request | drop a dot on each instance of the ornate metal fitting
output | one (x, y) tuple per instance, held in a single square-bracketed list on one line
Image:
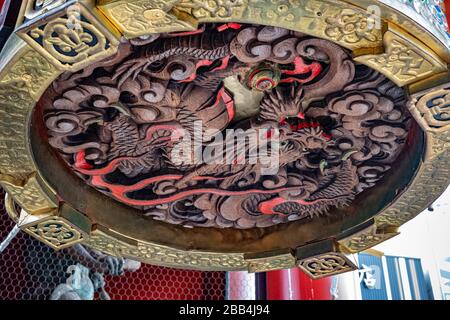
[(263, 78), (326, 265), (323, 259), (362, 101), (55, 232), (266, 261), (67, 33), (366, 238)]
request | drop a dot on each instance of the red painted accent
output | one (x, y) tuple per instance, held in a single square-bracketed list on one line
[(239, 160), (304, 125), (110, 167), (205, 63), (268, 207), (175, 132), (250, 77), (119, 191), (220, 93), (201, 63), (80, 160), (294, 284), (269, 133), (226, 26), (223, 65), (229, 104), (301, 68)]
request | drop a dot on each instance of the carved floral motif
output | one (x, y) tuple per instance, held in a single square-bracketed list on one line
[(212, 9), (144, 17), (351, 26)]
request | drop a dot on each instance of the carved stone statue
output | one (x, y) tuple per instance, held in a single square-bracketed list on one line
[(86, 277)]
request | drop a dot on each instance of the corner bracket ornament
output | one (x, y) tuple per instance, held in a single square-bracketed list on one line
[(326, 265), (430, 108), (70, 35), (139, 18), (29, 195), (433, 108), (56, 232), (405, 60), (323, 259)]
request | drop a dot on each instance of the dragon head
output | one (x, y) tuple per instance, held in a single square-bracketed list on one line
[(296, 140)]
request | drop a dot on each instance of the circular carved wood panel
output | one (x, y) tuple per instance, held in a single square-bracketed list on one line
[(230, 126)]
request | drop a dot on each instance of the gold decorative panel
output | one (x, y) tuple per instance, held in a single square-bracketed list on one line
[(348, 26), (71, 37), (63, 36), (142, 17), (30, 196), (405, 59), (29, 73), (109, 243), (326, 265), (270, 261), (36, 8), (433, 108), (364, 239), (55, 232), (431, 181), (430, 109)]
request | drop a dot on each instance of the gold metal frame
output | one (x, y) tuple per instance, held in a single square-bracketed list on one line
[(49, 41)]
